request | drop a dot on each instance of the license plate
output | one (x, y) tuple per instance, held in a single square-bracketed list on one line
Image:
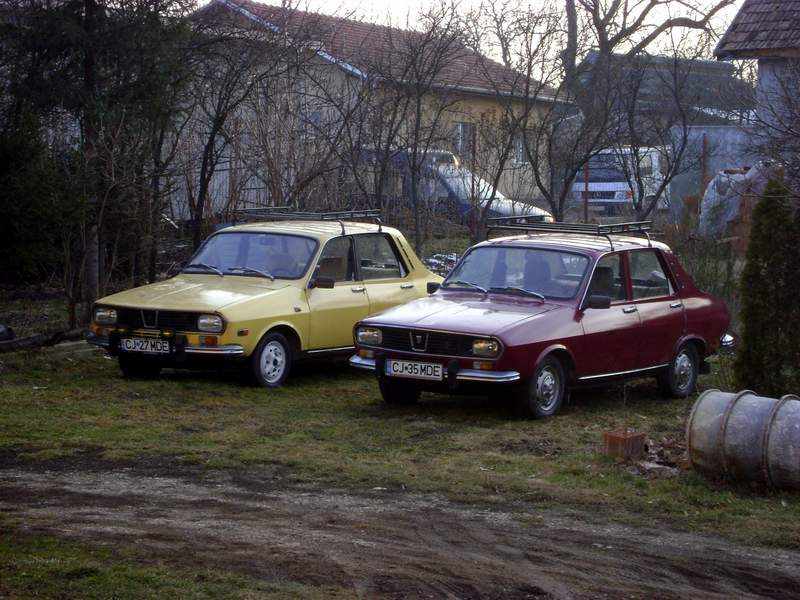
[(147, 345), (414, 370)]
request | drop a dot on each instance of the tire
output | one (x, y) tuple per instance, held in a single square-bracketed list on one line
[(398, 392), (138, 367), (679, 380), (271, 362), (544, 393)]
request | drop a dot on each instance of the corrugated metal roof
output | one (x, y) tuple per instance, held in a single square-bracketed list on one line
[(762, 28)]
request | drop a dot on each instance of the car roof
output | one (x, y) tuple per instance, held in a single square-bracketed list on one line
[(593, 244), (322, 230)]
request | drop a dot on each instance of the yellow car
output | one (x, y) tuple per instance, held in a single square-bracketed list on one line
[(266, 293)]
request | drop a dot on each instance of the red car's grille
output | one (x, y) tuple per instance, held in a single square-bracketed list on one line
[(157, 319), (427, 342)]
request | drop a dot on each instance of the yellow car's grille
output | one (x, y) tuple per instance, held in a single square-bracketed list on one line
[(135, 318)]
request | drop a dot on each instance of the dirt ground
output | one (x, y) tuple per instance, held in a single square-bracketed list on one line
[(379, 543)]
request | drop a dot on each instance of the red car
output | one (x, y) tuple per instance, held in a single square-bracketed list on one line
[(533, 315)]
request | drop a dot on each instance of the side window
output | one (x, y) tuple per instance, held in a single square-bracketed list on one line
[(647, 276), (336, 260), (609, 278), (378, 257)]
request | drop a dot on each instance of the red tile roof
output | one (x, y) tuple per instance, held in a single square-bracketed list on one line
[(762, 28), (378, 50)]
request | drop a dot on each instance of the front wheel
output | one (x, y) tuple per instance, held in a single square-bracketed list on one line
[(680, 378), (398, 392), (544, 394), (272, 360), (138, 367)]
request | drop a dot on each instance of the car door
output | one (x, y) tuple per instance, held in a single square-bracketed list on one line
[(659, 306), (611, 335), (334, 311), (385, 275)]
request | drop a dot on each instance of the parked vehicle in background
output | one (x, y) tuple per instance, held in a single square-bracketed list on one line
[(533, 315), (450, 189), (266, 294), (609, 187)]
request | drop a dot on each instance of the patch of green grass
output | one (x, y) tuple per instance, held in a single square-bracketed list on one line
[(330, 425), (42, 567)]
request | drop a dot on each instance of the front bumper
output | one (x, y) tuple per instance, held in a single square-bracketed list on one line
[(111, 343), (473, 375)]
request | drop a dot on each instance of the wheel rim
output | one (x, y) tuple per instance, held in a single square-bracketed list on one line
[(684, 370), (273, 362), (547, 389)]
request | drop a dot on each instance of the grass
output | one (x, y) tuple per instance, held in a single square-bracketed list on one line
[(329, 425), (42, 567)]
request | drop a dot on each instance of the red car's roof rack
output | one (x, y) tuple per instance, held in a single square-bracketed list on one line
[(274, 213), (527, 224)]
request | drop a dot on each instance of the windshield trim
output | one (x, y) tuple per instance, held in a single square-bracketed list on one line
[(587, 256), (229, 274)]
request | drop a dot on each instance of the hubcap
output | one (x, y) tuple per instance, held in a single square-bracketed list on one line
[(684, 370), (273, 362), (547, 389)]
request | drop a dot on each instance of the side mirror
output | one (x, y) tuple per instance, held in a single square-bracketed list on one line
[(325, 283), (433, 286), (596, 301)]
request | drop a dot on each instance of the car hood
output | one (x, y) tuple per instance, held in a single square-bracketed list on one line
[(462, 313), (196, 293)]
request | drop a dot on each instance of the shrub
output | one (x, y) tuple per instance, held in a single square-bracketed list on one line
[(767, 358)]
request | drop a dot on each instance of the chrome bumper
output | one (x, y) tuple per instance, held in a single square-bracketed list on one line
[(226, 350), (368, 364)]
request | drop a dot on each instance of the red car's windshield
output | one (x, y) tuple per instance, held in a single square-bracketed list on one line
[(549, 273)]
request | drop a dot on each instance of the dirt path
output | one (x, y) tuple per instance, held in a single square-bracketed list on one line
[(379, 544)]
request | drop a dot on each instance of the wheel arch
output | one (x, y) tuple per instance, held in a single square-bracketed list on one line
[(289, 332), (563, 354), (698, 342)]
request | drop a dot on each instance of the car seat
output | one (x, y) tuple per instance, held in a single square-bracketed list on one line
[(334, 267), (537, 277)]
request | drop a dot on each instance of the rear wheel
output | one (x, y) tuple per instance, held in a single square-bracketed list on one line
[(544, 394), (398, 392), (680, 378), (138, 366), (271, 362)]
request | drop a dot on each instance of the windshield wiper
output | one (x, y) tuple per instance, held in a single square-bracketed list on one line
[(512, 288), (466, 283), (204, 266), (269, 276)]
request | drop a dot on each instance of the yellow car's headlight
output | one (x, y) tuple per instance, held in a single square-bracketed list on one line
[(104, 315), (369, 336), (210, 323), (484, 347)]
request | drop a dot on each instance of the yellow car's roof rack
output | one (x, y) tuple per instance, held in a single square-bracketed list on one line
[(274, 213)]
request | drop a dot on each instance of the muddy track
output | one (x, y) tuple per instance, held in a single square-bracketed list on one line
[(379, 544)]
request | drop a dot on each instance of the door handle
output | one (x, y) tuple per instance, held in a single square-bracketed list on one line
[(406, 286), (358, 289), (629, 309), (676, 305)]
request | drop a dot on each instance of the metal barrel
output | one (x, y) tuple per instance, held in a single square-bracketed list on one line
[(746, 437)]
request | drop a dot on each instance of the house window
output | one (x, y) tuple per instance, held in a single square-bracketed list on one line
[(464, 139), (518, 154)]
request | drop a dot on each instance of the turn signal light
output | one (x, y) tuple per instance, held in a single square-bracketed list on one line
[(366, 353), (208, 340), (482, 365)]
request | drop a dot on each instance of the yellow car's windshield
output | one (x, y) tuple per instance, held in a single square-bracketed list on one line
[(254, 254)]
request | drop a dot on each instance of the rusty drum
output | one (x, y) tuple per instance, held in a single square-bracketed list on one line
[(746, 437)]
